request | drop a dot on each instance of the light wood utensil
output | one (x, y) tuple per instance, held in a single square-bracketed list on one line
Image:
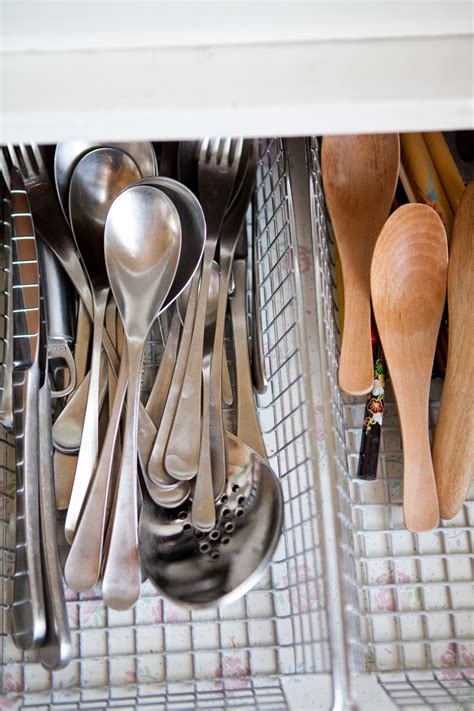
[(360, 176), (446, 167), (408, 283), (424, 177), (453, 446)]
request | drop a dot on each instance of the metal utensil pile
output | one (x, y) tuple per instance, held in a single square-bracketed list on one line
[(157, 482)]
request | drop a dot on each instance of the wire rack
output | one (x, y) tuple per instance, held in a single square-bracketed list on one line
[(263, 650), (410, 598)]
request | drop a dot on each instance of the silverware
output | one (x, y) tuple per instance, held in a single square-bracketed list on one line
[(142, 248), (6, 336), (228, 240), (203, 513), (68, 154), (49, 220), (205, 570), (97, 179), (28, 610), (56, 650), (59, 310), (218, 164), (248, 427)]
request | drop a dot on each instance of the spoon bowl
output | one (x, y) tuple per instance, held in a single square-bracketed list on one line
[(408, 283), (198, 569), (69, 153), (193, 227), (360, 175)]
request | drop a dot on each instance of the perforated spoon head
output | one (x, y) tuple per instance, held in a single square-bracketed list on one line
[(206, 569)]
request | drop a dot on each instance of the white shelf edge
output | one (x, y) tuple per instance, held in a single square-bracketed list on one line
[(296, 89)]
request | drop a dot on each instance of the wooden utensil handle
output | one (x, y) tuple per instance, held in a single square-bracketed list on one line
[(453, 446), (420, 500), (356, 366)]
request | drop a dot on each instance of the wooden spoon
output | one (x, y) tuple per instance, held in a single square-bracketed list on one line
[(408, 283), (453, 446), (360, 176)]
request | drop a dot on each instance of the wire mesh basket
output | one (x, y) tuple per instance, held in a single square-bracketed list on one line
[(349, 590), (409, 597), (265, 649)]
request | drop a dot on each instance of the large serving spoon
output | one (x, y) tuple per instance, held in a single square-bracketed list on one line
[(359, 176), (205, 570), (97, 179), (142, 249), (408, 283), (453, 446)]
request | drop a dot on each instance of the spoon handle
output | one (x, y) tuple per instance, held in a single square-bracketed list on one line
[(121, 581), (157, 399), (216, 423), (203, 512), (84, 560), (156, 469), (356, 366), (248, 426), (182, 451), (89, 448)]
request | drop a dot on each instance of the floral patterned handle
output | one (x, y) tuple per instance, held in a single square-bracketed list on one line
[(370, 442)]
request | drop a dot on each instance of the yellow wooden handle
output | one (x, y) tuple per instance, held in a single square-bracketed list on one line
[(424, 177), (445, 166)]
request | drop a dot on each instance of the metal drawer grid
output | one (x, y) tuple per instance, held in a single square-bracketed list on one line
[(161, 656), (415, 590)]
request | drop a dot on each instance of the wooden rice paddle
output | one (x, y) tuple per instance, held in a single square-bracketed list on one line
[(360, 176), (453, 446), (408, 284)]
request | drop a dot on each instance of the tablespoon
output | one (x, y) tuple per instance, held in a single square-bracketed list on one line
[(408, 284), (97, 179), (205, 570), (142, 249)]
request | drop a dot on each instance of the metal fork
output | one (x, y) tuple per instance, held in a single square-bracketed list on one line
[(51, 224), (217, 170), (49, 220)]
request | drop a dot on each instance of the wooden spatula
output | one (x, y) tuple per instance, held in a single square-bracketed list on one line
[(359, 176), (408, 284), (453, 446)]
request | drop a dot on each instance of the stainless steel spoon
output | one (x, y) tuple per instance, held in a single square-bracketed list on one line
[(68, 154), (97, 179), (142, 249), (85, 557), (205, 570)]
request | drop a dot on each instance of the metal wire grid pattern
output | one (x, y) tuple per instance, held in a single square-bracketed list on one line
[(221, 657), (414, 590)]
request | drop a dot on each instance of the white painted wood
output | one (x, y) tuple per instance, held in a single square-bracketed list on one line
[(86, 24), (282, 89)]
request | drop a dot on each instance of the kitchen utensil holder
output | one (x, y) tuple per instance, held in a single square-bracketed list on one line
[(349, 590)]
